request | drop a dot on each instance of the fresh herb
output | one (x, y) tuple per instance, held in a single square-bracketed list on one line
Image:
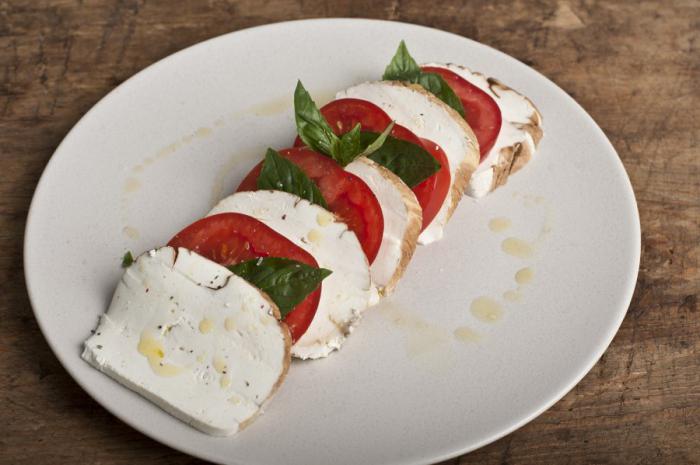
[(286, 281), (312, 127), (127, 259), (410, 162), (404, 68), (280, 174), (315, 132), (436, 85)]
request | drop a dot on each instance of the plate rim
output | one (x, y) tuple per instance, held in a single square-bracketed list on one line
[(449, 452)]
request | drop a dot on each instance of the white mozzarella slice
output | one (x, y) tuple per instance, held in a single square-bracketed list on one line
[(191, 337), (427, 117), (402, 222), (346, 292), (517, 140)]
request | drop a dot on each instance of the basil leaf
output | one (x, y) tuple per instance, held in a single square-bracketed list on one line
[(349, 147), (435, 84), (127, 259), (402, 67), (286, 281), (377, 143), (410, 162), (280, 174), (316, 133), (312, 127)]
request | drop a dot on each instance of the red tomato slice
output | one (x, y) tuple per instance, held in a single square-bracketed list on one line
[(431, 193), (481, 111), (344, 114), (346, 195), (230, 238)]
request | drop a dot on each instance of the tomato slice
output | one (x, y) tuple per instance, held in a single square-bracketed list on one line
[(431, 192), (230, 238), (481, 111), (346, 195), (344, 114)]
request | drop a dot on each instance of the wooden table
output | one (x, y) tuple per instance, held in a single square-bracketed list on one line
[(635, 66)]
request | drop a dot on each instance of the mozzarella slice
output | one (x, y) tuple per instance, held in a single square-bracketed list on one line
[(517, 141), (191, 337), (427, 117), (402, 222), (345, 293)]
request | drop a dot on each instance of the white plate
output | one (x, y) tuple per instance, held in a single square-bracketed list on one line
[(155, 153)]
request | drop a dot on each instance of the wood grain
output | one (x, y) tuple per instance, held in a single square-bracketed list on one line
[(633, 65)]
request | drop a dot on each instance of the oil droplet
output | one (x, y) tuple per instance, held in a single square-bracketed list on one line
[(324, 218), (314, 236), (167, 150), (153, 350), (201, 133), (229, 324), (499, 224), (524, 276), (516, 247), (225, 381), (423, 337), (466, 334), (131, 185), (272, 107), (512, 296), (219, 364), (486, 309), (131, 232), (205, 326)]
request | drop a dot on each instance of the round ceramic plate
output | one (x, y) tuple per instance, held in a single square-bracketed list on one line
[(423, 378)]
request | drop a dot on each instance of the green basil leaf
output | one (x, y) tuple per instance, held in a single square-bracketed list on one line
[(349, 147), (312, 127), (377, 143), (436, 85), (286, 281), (127, 259), (410, 162), (317, 134), (280, 174), (402, 67)]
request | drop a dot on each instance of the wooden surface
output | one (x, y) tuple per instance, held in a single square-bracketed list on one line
[(634, 66)]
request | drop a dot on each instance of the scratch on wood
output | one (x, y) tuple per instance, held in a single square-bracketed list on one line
[(564, 18), (68, 47), (394, 10)]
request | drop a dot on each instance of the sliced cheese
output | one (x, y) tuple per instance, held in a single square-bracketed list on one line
[(517, 140), (402, 222), (196, 340), (427, 117), (345, 293)]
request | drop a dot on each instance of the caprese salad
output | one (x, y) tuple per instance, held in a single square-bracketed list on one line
[(205, 326)]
